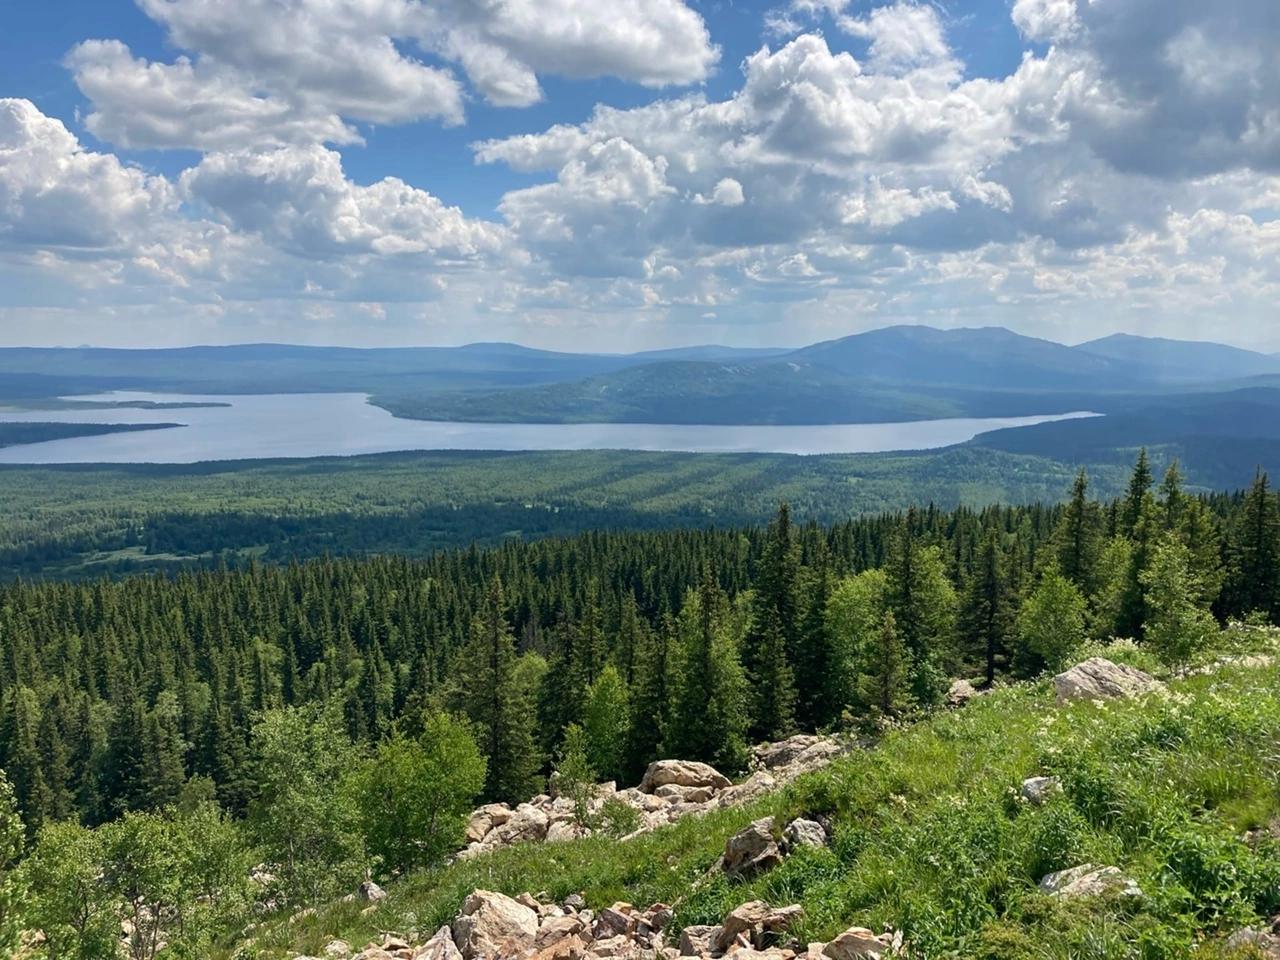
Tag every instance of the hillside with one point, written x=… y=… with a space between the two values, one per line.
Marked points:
x=932 y=835
x=887 y=375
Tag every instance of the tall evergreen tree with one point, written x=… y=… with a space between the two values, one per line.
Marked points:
x=1137 y=500
x=1256 y=560
x=1078 y=537
x=883 y=677
x=496 y=704
x=986 y=610
x=773 y=634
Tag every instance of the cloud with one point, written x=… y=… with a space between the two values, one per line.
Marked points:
x=54 y=193
x=300 y=200
x=267 y=72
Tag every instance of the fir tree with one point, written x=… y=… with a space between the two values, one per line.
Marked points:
x=884 y=667
x=986 y=611
x=496 y=704
x=1078 y=537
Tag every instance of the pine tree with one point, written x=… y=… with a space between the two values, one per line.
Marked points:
x=496 y=704
x=924 y=606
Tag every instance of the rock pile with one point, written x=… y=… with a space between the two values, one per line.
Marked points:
x=492 y=926
x=669 y=790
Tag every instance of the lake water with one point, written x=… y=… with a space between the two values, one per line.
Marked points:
x=344 y=424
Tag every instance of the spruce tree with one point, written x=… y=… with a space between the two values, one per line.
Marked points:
x=1078 y=537
x=1256 y=560
x=497 y=705
x=1137 y=500
x=986 y=610
x=773 y=634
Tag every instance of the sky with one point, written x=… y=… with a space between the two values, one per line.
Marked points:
x=629 y=174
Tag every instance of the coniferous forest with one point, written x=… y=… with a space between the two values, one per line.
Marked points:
x=339 y=715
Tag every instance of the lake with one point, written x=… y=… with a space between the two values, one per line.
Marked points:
x=345 y=424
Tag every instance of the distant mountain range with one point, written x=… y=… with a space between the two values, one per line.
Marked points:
x=894 y=373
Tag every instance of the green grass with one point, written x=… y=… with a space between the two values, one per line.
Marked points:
x=931 y=837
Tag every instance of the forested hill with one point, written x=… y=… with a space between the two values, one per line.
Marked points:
x=113 y=695
x=907 y=372
x=160 y=735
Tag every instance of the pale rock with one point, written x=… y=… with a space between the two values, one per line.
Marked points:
x=784 y=752
x=337 y=950
x=960 y=693
x=614 y=947
x=491 y=923
x=614 y=921
x=370 y=892
x=1038 y=790
x=527 y=823
x=1087 y=880
x=556 y=929
x=752 y=849
x=858 y=943
x=804 y=833
x=745 y=919
x=685 y=773
x=1261 y=942
x=755 y=786
x=699 y=941
x=485 y=819
x=682 y=794
x=1099 y=679
x=439 y=947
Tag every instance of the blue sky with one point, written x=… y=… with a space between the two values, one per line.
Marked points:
x=638 y=173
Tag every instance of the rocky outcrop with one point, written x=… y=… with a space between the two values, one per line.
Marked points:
x=752 y=849
x=491 y=926
x=960 y=693
x=669 y=791
x=1099 y=679
x=1088 y=880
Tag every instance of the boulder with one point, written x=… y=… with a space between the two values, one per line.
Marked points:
x=485 y=819
x=745 y=921
x=370 y=892
x=615 y=921
x=783 y=753
x=1038 y=790
x=960 y=693
x=1099 y=679
x=676 y=793
x=561 y=830
x=756 y=785
x=684 y=773
x=491 y=924
x=611 y=948
x=804 y=833
x=527 y=823
x=556 y=929
x=699 y=941
x=752 y=849
x=1087 y=880
x=439 y=947
x=336 y=950
x=858 y=943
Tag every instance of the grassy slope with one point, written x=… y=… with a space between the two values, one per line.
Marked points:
x=930 y=835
